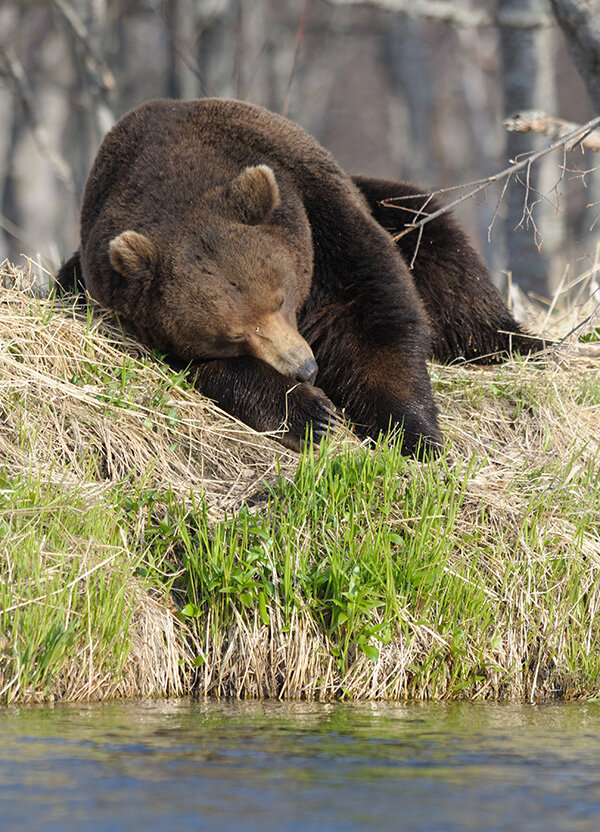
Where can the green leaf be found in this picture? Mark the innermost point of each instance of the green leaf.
(370, 651)
(246, 599)
(191, 611)
(592, 336)
(262, 609)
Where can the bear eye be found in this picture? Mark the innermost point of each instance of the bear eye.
(235, 337)
(279, 305)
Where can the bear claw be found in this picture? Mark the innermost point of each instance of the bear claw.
(309, 408)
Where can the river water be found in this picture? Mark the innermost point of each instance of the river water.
(209, 765)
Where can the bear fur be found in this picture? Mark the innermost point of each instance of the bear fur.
(226, 237)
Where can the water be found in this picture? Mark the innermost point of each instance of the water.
(185, 765)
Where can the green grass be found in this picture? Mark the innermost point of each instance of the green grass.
(365, 551)
(64, 600)
(149, 545)
(369, 553)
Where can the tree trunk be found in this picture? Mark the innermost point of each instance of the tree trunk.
(528, 84)
(580, 23)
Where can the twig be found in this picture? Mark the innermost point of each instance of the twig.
(299, 38)
(183, 51)
(103, 74)
(594, 314)
(555, 128)
(482, 184)
(497, 208)
(16, 232)
(16, 73)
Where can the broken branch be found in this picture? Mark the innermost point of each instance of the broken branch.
(570, 139)
(536, 122)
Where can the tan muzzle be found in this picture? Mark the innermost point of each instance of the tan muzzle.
(276, 342)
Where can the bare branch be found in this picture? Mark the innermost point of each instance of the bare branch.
(577, 328)
(555, 128)
(497, 208)
(16, 72)
(299, 38)
(16, 232)
(182, 48)
(444, 12)
(481, 184)
(96, 63)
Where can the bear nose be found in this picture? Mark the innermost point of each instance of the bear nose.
(308, 371)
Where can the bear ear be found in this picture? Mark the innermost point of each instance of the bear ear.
(131, 253)
(254, 194)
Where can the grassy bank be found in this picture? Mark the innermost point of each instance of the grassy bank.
(151, 545)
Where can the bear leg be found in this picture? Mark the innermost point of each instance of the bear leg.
(380, 388)
(371, 348)
(264, 399)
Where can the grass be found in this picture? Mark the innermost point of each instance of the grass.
(149, 544)
(66, 592)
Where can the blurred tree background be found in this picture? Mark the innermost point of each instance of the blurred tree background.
(413, 91)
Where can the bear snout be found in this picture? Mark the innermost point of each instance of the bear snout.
(294, 360)
(276, 341)
(308, 371)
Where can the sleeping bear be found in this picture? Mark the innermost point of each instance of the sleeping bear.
(226, 237)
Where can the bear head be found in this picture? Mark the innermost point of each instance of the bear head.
(228, 281)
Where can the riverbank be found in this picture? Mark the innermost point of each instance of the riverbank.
(153, 546)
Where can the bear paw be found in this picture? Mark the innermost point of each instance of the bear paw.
(307, 408)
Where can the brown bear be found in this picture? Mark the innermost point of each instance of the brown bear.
(227, 238)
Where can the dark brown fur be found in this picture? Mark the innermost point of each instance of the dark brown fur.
(467, 316)
(226, 237)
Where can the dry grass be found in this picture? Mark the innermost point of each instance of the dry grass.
(85, 410)
(524, 542)
(89, 395)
